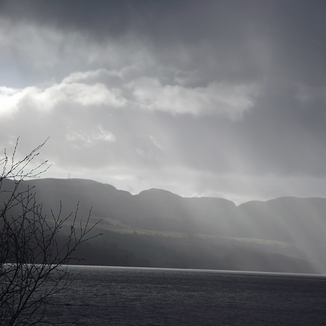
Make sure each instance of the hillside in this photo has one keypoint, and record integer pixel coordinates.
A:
(158, 228)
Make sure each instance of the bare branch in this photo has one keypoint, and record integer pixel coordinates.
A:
(34, 253)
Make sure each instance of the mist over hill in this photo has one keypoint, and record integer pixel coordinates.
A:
(160, 229)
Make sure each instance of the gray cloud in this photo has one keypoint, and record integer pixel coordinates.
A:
(218, 98)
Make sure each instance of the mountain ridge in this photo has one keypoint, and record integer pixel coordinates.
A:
(255, 235)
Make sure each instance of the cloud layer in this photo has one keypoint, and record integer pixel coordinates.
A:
(219, 98)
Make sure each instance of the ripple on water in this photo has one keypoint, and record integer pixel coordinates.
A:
(135, 296)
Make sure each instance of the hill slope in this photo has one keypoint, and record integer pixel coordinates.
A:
(158, 228)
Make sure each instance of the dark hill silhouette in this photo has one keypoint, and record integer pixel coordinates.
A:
(159, 228)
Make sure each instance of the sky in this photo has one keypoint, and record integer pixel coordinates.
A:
(220, 98)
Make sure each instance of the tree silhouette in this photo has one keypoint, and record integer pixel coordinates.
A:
(35, 248)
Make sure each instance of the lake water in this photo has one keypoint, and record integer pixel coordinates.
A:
(144, 296)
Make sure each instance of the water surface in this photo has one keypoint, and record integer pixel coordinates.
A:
(145, 296)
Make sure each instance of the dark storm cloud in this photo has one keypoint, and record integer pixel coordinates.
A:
(221, 40)
(212, 91)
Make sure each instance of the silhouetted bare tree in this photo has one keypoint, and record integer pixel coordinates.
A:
(34, 253)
